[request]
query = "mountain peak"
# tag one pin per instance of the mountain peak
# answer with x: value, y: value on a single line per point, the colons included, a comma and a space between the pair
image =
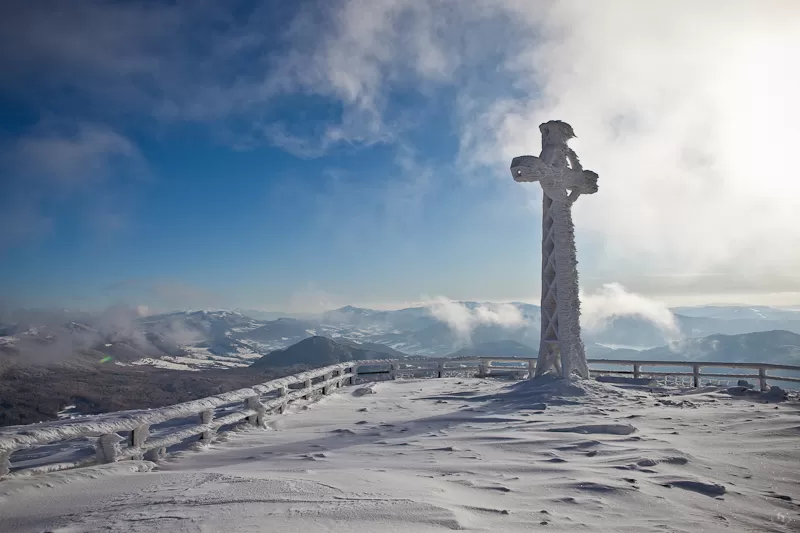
x: 350, y: 309
x: 318, y: 351
x: 314, y: 351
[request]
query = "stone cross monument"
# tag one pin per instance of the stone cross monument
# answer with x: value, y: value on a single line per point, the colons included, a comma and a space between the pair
x: 563, y: 180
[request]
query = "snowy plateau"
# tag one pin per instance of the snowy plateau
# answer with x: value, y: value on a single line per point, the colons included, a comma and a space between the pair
x: 454, y: 454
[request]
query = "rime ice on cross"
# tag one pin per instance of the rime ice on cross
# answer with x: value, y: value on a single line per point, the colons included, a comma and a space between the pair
x: 563, y: 180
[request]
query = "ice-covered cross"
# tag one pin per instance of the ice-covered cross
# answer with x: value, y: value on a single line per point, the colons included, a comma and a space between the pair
x: 563, y: 180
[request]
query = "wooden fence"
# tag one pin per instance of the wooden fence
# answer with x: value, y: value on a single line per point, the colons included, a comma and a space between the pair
x: 254, y: 403
x: 697, y: 370
x: 522, y: 367
x: 210, y: 414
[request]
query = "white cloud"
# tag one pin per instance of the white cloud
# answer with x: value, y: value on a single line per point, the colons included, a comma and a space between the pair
x: 688, y: 112
x: 612, y: 300
x: 463, y: 319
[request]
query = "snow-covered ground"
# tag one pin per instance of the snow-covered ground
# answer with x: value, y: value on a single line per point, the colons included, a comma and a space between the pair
x: 454, y: 454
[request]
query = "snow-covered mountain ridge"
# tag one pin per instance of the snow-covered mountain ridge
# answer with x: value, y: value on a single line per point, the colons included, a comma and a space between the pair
x: 225, y: 338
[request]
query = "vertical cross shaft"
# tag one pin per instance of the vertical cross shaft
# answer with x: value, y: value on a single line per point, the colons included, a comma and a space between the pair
x: 561, y: 350
x: 549, y: 344
x: 565, y: 354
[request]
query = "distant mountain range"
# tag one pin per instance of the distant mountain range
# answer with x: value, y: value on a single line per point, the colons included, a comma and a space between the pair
x: 721, y: 312
x: 114, y: 361
x: 203, y: 339
x: 190, y: 340
x: 776, y: 347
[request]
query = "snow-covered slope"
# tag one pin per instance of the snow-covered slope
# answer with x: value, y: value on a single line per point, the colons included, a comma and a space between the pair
x: 453, y: 454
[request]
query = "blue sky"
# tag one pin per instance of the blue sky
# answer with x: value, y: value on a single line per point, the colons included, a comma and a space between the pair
x: 313, y: 154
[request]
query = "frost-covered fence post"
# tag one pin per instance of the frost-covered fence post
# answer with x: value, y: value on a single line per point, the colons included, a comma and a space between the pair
x: 483, y: 368
x: 327, y: 388
x: 762, y: 379
x: 5, y: 463
x: 563, y: 180
x: 257, y: 419
x: 139, y: 435
x: 107, y: 448
x: 531, y: 369
x: 695, y: 375
x: 353, y: 374
x: 206, y: 417
x: 283, y: 392
x: 307, y: 387
x: 440, y: 369
x: 637, y: 371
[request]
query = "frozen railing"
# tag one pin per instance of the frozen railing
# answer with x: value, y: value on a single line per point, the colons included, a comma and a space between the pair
x: 697, y: 372
x: 521, y: 367
x: 205, y: 416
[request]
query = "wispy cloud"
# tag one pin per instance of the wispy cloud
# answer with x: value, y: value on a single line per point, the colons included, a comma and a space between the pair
x: 687, y: 110
x: 463, y: 319
x: 82, y: 169
x: 69, y: 160
x: 676, y: 105
x: 46, y: 337
x: 612, y: 300
x: 239, y: 69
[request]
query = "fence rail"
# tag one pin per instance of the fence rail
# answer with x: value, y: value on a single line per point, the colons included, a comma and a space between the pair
x: 244, y: 404
x: 253, y: 403
x: 487, y: 366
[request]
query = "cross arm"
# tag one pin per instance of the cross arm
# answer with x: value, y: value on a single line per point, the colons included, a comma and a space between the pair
x: 529, y: 168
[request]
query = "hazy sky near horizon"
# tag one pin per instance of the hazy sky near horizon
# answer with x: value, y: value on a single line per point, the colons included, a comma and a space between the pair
x: 308, y: 154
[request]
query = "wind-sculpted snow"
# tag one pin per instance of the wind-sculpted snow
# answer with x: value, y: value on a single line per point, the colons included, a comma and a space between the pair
x: 453, y: 454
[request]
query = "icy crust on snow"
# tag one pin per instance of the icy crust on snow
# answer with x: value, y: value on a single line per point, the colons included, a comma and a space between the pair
x: 18, y: 437
x: 454, y: 454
